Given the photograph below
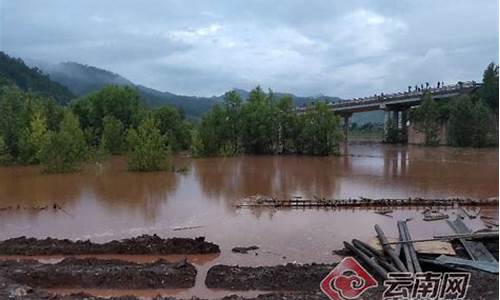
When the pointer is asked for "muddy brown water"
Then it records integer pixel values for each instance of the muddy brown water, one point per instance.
(106, 202)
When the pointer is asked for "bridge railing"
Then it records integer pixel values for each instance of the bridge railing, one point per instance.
(401, 95)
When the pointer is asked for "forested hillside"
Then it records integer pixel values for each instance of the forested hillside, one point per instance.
(15, 71)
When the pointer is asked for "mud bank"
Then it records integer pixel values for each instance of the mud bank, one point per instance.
(291, 277)
(142, 245)
(302, 281)
(97, 273)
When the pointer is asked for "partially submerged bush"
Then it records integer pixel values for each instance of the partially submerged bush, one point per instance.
(148, 150)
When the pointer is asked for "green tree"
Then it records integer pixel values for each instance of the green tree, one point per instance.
(231, 122)
(122, 103)
(148, 150)
(11, 106)
(471, 123)
(5, 157)
(208, 139)
(426, 119)
(489, 90)
(65, 149)
(113, 136)
(258, 123)
(33, 138)
(288, 128)
(172, 124)
(321, 131)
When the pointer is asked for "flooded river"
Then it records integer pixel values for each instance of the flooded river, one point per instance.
(105, 202)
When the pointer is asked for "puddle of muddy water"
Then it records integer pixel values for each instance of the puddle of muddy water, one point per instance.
(110, 203)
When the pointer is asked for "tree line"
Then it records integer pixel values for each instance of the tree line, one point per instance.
(35, 129)
(265, 124)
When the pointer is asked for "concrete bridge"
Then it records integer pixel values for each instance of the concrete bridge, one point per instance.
(396, 104)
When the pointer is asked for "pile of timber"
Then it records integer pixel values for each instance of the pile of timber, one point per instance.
(298, 202)
(401, 256)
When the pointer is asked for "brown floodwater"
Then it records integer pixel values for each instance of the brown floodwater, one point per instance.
(105, 202)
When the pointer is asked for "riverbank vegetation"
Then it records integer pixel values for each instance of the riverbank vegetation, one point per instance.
(43, 127)
(470, 121)
(266, 125)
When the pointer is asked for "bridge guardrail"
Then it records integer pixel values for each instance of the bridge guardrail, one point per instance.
(399, 95)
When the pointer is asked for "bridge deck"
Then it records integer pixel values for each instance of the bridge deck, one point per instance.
(401, 98)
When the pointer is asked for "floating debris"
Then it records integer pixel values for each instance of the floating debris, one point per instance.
(244, 250)
(187, 227)
(434, 215)
(385, 212)
(298, 202)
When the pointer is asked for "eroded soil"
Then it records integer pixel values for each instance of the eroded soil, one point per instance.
(145, 244)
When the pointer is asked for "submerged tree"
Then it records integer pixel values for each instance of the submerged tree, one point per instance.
(173, 125)
(113, 135)
(148, 150)
(489, 90)
(33, 139)
(321, 131)
(5, 157)
(122, 103)
(65, 149)
(471, 123)
(426, 119)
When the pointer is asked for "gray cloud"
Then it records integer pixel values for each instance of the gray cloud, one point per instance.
(340, 48)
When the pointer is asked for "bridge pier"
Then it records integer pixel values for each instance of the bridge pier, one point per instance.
(347, 124)
(396, 118)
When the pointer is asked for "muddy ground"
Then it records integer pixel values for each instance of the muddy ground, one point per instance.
(283, 277)
(483, 285)
(100, 273)
(306, 278)
(145, 244)
(25, 279)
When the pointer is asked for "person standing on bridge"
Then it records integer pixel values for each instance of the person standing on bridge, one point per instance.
(409, 89)
(426, 85)
(439, 83)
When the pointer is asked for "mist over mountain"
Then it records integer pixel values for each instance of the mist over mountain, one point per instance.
(31, 79)
(83, 79)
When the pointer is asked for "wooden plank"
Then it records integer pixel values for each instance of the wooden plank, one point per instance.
(373, 264)
(405, 248)
(437, 247)
(388, 249)
(476, 250)
(411, 247)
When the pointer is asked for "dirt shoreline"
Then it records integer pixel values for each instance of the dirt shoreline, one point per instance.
(291, 277)
(25, 279)
(98, 273)
(142, 245)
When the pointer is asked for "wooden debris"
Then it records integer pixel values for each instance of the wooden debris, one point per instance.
(476, 250)
(469, 213)
(388, 249)
(489, 221)
(366, 259)
(299, 202)
(187, 228)
(435, 247)
(461, 264)
(410, 254)
(434, 215)
(385, 212)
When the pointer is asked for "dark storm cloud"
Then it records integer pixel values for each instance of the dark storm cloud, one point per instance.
(342, 48)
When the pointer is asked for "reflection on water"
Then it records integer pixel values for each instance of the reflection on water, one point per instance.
(107, 202)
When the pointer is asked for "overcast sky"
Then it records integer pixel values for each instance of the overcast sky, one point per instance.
(338, 48)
